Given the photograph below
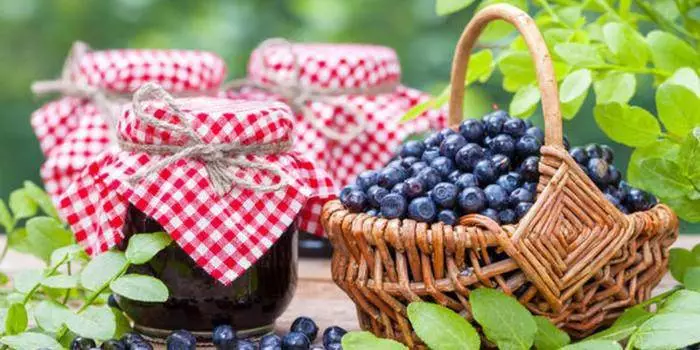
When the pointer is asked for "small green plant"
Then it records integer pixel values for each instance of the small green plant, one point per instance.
(667, 321)
(615, 48)
(68, 296)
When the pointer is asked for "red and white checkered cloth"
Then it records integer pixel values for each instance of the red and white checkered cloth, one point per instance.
(71, 130)
(224, 235)
(320, 67)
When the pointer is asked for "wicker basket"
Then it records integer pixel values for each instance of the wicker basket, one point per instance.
(574, 257)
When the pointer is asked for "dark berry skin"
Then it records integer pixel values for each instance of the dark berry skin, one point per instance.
(496, 197)
(412, 148)
(472, 130)
(509, 181)
(445, 133)
(430, 154)
(467, 156)
(637, 200)
(393, 206)
(413, 187)
(501, 162)
(305, 326)
(224, 337)
(454, 176)
(529, 168)
(408, 161)
(433, 140)
(514, 127)
(394, 164)
(113, 344)
(503, 144)
(467, 180)
(527, 146)
(443, 165)
(141, 345)
(270, 342)
(579, 155)
(522, 208)
(333, 334)
(494, 122)
(388, 177)
(536, 133)
(346, 191)
(131, 337)
(375, 195)
(334, 346)
(612, 199)
(614, 175)
(598, 171)
(447, 216)
(417, 167)
(520, 195)
(80, 343)
(295, 341)
(594, 151)
(422, 209)
(181, 340)
(430, 177)
(472, 200)
(451, 145)
(530, 186)
(355, 201)
(246, 345)
(607, 153)
(507, 216)
(399, 188)
(491, 214)
(367, 179)
(372, 212)
(445, 194)
(485, 172)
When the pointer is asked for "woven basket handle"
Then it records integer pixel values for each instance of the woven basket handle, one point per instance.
(538, 49)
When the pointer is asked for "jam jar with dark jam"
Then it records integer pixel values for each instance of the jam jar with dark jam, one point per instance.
(198, 302)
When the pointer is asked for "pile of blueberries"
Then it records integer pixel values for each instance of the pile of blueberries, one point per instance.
(302, 334)
(489, 167)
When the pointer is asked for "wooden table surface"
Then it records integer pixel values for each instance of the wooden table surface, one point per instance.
(316, 296)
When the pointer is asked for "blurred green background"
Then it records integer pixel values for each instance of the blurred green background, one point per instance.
(35, 36)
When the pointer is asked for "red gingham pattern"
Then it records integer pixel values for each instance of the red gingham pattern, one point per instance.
(71, 130)
(224, 235)
(342, 66)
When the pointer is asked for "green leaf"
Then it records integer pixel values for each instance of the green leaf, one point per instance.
(680, 260)
(140, 288)
(668, 331)
(16, 319)
(6, 219)
(677, 107)
(27, 280)
(497, 30)
(573, 91)
(4, 278)
(662, 148)
(122, 323)
(50, 315)
(668, 52)
(31, 341)
(45, 235)
(21, 205)
(41, 198)
(504, 321)
(682, 301)
(594, 345)
(630, 125)
(686, 208)
(367, 341)
(624, 326)
(686, 77)
(17, 240)
(142, 247)
(615, 87)
(102, 269)
(95, 322)
(525, 101)
(581, 55)
(480, 66)
(67, 253)
(627, 44)
(441, 328)
(446, 7)
(548, 336)
(61, 281)
(517, 68)
(691, 279)
(665, 177)
(689, 154)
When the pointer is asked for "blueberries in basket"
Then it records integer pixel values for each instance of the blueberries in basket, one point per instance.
(334, 346)
(472, 130)
(472, 200)
(447, 216)
(451, 145)
(393, 206)
(355, 201)
(594, 151)
(375, 195)
(305, 326)
(81, 343)
(429, 176)
(246, 345)
(433, 140)
(530, 186)
(485, 172)
(607, 153)
(494, 122)
(408, 162)
(389, 177)
(522, 208)
(509, 181)
(520, 195)
(614, 176)
(224, 337)
(399, 188)
(637, 200)
(536, 133)
(445, 194)
(422, 209)
(496, 197)
(507, 217)
(598, 171)
(346, 191)
(466, 180)
(412, 149)
(181, 340)
(529, 168)
(514, 127)
(527, 146)
(501, 162)
(454, 176)
(413, 187)
(467, 156)
(295, 341)
(367, 179)
(430, 154)
(417, 167)
(502, 144)
(113, 344)
(270, 342)
(579, 155)
(443, 165)
(491, 214)
(333, 334)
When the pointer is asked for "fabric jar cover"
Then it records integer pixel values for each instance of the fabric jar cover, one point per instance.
(348, 103)
(94, 84)
(171, 154)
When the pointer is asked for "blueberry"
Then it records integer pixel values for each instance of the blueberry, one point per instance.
(295, 341)
(445, 194)
(520, 195)
(224, 337)
(270, 342)
(333, 334)
(503, 144)
(509, 181)
(447, 216)
(472, 130)
(80, 343)
(346, 191)
(393, 206)
(507, 216)
(612, 199)
(454, 176)
(494, 122)
(112, 302)
(529, 168)
(246, 345)
(594, 151)
(375, 194)
(417, 167)
(433, 140)
(637, 200)
(395, 164)
(614, 176)
(536, 133)
(615, 192)
(408, 161)
(445, 133)
(607, 153)
(355, 201)
(472, 200)
(412, 148)
(429, 176)
(598, 171)
(451, 145)
(372, 212)
(181, 340)
(491, 214)
(413, 187)
(530, 186)
(334, 346)
(305, 326)
(141, 345)
(367, 179)
(527, 146)
(496, 197)
(501, 162)
(113, 344)
(579, 155)
(487, 141)
(522, 208)
(466, 180)
(485, 172)
(131, 337)
(399, 188)
(514, 127)
(624, 188)
(422, 209)
(388, 177)
(430, 154)
(528, 123)
(467, 156)
(443, 165)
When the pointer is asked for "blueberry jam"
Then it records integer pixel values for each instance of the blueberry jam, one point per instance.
(199, 303)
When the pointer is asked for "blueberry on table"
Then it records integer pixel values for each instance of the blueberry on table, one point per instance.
(520, 195)
(496, 197)
(141, 345)
(527, 146)
(443, 165)
(305, 326)
(529, 168)
(367, 179)
(494, 122)
(522, 208)
(417, 167)
(81, 343)
(467, 156)
(433, 140)
(472, 130)
(447, 216)
(445, 194)
(514, 127)
(507, 216)
(485, 172)
(413, 187)
(270, 342)
(412, 148)
(594, 151)
(472, 200)
(422, 209)
(607, 153)
(295, 341)
(346, 191)
(451, 145)
(333, 334)
(501, 162)
(355, 201)
(579, 155)
(598, 171)
(509, 181)
(466, 180)
(430, 177)
(246, 345)
(131, 337)
(430, 154)
(181, 340)
(388, 177)
(113, 344)
(224, 337)
(375, 194)
(491, 214)
(536, 133)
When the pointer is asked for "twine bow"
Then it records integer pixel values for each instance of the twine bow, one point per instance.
(218, 158)
(299, 96)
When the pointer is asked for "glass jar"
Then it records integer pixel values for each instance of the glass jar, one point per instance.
(199, 303)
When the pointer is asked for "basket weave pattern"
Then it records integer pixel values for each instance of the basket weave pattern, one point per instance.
(574, 257)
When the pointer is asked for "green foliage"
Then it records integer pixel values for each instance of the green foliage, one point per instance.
(31, 340)
(504, 321)
(442, 329)
(548, 336)
(367, 341)
(143, 247)
(140, 288)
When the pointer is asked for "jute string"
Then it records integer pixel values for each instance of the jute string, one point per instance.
(299, 97)
(219, 159)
